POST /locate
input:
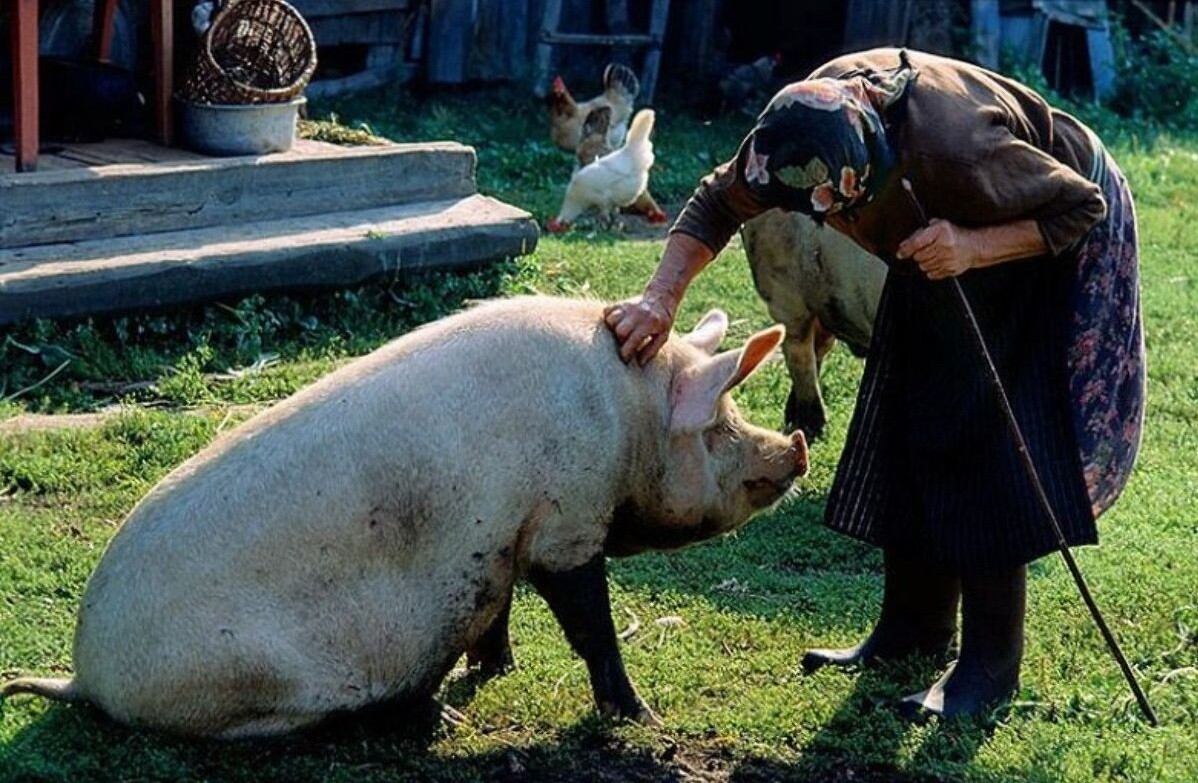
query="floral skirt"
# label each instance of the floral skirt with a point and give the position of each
(929, 469)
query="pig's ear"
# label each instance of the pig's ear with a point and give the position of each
(696, 392)
(710, 332)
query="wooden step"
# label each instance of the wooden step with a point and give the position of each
(127, 199)
(323, 251)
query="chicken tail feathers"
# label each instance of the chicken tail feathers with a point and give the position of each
(621, 80)
(642, 126)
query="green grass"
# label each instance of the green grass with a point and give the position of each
(726, 680)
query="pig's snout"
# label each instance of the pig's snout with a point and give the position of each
(782, 469)
(798, 453)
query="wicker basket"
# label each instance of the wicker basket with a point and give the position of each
(256, 51)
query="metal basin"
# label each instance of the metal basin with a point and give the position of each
(227, 130)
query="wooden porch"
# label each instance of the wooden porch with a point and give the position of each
(112, 152)
(26, 98)
(126, 225)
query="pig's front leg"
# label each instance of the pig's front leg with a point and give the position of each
(579, 600)
(492, 653)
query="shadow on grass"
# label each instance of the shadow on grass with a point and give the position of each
(788, 565)
(79, 744)
(867, 729)
(384, 744)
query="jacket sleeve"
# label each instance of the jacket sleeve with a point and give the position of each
(1017, 181)
(721, 204)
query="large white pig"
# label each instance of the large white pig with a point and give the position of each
(347, 546)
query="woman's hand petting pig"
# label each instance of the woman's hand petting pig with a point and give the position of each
(941, 249)
(642, 324)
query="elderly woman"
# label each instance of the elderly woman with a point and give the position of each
(1037, 221)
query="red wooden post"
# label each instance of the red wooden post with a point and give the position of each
(162, 25)
(103, 23)
(25, 87)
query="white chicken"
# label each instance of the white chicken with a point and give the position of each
(613, 181)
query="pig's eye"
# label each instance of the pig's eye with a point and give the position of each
(716, 434)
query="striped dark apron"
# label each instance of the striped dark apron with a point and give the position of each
(928, 469)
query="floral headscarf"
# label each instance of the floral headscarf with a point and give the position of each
(820, 146)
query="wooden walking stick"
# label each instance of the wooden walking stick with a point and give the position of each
(1029, 467)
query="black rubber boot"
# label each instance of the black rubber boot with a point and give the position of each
(987, 673)
(919, 617)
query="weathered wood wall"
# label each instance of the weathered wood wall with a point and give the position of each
(368, 22)
(381, 28)
(485, 40)
(494, 40)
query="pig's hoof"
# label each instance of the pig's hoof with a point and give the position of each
(647, 717)
(452, 717)
(636, 711)
(491, 664)
(809, 417)
(489, 670)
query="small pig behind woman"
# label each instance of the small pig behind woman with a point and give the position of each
(348, 546)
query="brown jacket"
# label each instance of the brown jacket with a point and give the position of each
(978, 148)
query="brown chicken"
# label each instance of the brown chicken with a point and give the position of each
(567, 116)
(594, 145)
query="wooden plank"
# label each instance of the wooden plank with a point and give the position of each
(693, 44)
(103, 28)
(986, 27)
(384, 56)
(162, 29)
(318, 9)
(1182, 40)
(381, 28)
(657, 28)
(450, 34)
(88, 158)
(616, 13)
(135, 151)
(602, 39)
(932, 26)
(616, 16)
(871, 23)
(25, 84)
(122, 200)
(1103, 70)
(339, 249)
(499, 50)
(551, 19)
(44, 163)
(363, 80)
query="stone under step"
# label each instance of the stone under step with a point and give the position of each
(172, 190)
(318, 251)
